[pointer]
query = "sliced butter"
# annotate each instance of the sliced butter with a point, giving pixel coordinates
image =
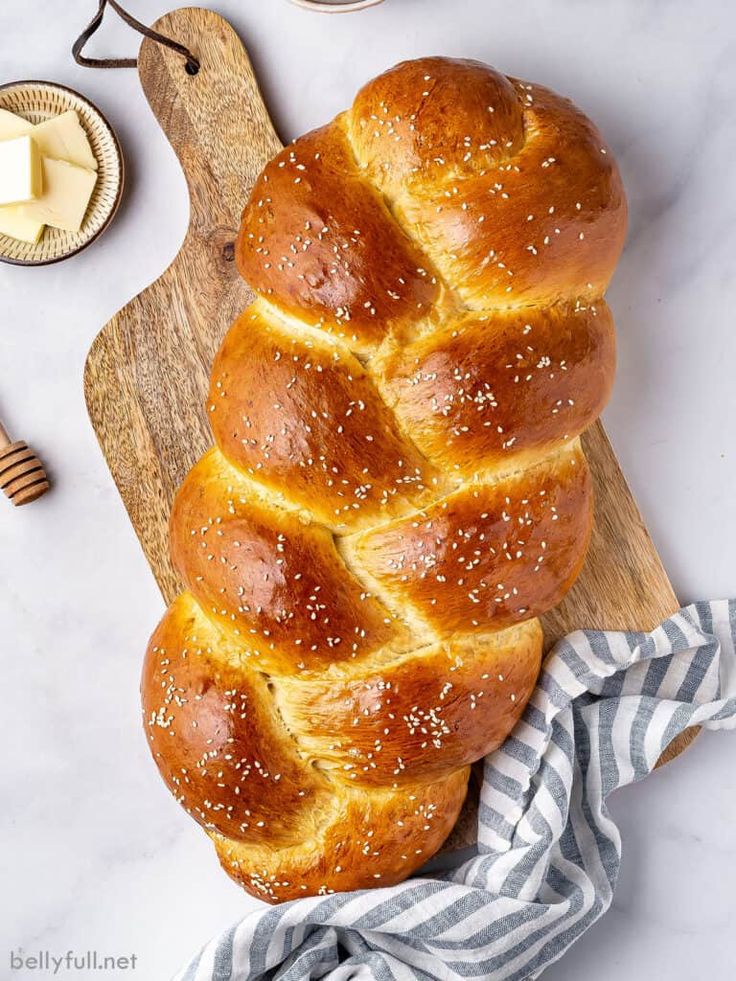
(66, 193)
(12, 125)
(21, 178)
(14, 223)
(63, 138)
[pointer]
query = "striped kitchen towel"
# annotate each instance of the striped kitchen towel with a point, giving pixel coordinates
(548, 853)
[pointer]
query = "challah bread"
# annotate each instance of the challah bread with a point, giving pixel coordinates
(398, 489)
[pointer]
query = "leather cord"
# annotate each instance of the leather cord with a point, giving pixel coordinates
(191, 64)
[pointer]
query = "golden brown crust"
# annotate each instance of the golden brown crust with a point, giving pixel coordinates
(273, 579)
(418, 715)
(398, 489)
(426, 119)
(546, 225)
(216, 739)
(319, 262)
(490, 554)
(302, 415)
(490, 390)
(281, 827)
(371, 839)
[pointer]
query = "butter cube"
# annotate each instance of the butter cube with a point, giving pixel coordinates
(12, 125)
(17, 225)
(63, 138)
(12, 220)
(21, 177)
(66, 193)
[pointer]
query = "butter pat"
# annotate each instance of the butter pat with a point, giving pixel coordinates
(63, 138)
(20, 170)
(66, 193)
(18, 225)
(12, 125)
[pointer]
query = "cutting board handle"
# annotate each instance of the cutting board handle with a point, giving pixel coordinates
(204, 115)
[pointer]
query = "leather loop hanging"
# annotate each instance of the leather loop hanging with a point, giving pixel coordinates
(191, 63)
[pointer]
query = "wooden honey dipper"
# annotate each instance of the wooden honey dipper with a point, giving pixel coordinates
(22, 476)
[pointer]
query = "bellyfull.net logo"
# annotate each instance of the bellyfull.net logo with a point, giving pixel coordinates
(71, 961)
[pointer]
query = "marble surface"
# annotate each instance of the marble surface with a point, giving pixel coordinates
(93, 851)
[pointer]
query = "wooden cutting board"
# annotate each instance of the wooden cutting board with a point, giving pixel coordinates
(147, 372)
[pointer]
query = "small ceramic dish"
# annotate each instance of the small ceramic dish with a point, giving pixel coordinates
(37, 101)
(336, 6)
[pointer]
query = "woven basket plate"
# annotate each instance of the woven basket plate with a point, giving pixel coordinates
(37, 101)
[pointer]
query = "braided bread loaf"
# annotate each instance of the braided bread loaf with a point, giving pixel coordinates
(398, 489)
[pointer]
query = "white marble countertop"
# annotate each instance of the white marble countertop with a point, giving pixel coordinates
(93, 851)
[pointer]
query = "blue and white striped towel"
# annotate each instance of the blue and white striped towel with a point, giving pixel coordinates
(548, 853)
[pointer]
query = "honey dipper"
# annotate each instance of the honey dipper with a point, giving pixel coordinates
(22, 476)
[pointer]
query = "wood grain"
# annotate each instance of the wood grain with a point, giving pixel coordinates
(147, 372)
